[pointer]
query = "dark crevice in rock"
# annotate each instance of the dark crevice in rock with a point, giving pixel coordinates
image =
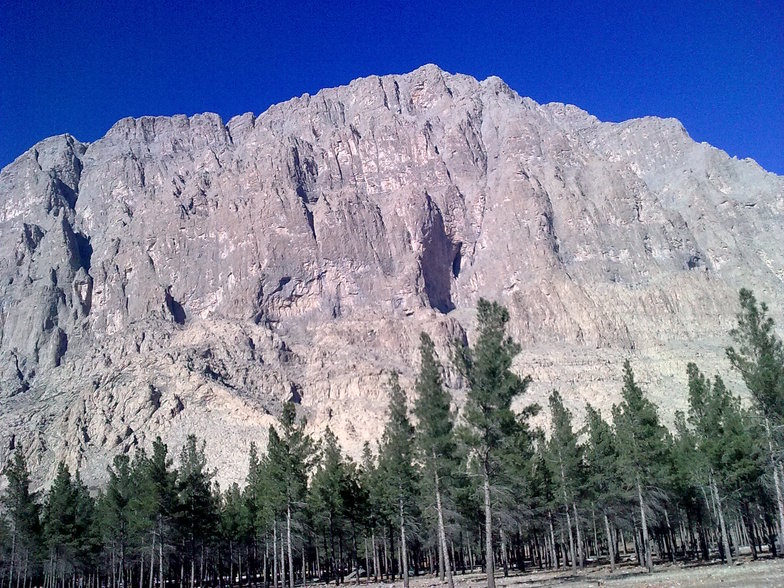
(437, 260)
(175, 308)
(85, 250)
(456, 261)
(296, 393)
(178, 406)
(155, 397)
(59, 346)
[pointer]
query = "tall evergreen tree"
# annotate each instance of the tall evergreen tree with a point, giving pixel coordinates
(491, 388)
(565, 460)
(23, 511)
(601, 466)
(726, 450)
(196, 514)
(396, 465)
(327, 498)
(290, 459)
(160, 480)
(759, 357)
(117, 511)
(435, 438)
(643, 447)
(68, 521)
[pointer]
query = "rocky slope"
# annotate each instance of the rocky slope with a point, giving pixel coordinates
(188, 275)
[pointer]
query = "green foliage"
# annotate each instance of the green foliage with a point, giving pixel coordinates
(20, 505)
(235, 517)
(434, 432)
(396, 453)
(564, 455)
(642, 441)
(491, 385)
(196, 515)
(759, 356)
(602, 477)
(68, 519)
(725, 440)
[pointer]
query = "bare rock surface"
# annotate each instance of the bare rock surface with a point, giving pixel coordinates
(185, 275)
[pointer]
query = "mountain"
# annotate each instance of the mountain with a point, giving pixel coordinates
(182, 274)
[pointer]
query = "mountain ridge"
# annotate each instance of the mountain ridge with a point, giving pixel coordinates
(182, 274)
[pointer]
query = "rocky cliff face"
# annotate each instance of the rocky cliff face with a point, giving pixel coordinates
(184, 275)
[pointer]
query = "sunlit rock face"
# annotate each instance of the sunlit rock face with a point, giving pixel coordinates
(185, 275)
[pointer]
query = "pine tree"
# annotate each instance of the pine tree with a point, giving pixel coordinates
(643, 447)
(290, 456)
(116, 510)
(396, 465)
(565, 462)
(235, 523)
(327, 501)
(601, 467)
(759, 357)
(23, 513)
(160, 481)
(435, 438)
(491, 388)
(726, 451)
(68, 521)
(374, 513)
(196, 512)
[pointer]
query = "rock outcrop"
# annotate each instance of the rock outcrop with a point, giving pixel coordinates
(184, 275)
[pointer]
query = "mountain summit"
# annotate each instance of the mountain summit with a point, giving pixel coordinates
(185, 275)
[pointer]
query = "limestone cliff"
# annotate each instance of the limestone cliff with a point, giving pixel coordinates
(182, 274)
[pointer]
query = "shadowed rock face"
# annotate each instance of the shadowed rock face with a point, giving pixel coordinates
(184, 275)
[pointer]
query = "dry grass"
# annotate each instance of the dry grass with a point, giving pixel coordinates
(745, 574)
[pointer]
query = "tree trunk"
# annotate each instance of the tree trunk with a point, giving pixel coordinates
(375, 556)
(571, 535)
(504, 560)
(403, 548)
(13, 555)
(160, 556)
(776, 480)
(553, 553)
(152, 561)
(580, 554)
(442, 534)
(275, 554)
(609, 542)
(723, 527)
(288, 545)
(643, 522)
(282, 561)
(489, 563)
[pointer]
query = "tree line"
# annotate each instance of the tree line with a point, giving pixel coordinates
(443, 492)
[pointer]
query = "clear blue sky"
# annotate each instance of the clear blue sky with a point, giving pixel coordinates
(78, 67)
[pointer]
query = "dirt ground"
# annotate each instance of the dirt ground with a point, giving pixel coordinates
(746, 574)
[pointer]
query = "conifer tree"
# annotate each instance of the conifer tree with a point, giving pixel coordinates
(643, 447)
(327, 497)
(396, 465)
(161, 482)
(435, 438)
(68, 519)
(235, 523)
(565, 462)
(725, 446)
(759, 357)
(196, 514)
(116, 510)
(491, 388)
(23, 511)
(601, 465)
(290, 456)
